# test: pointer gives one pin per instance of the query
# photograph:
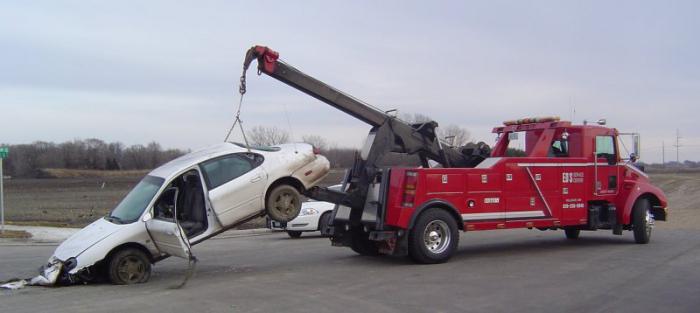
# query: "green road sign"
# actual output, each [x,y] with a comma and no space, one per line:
[3,152]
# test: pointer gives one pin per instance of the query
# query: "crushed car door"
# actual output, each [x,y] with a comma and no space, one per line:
[164,228]
[236,183]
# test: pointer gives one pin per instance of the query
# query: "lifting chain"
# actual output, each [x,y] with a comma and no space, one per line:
[237,120]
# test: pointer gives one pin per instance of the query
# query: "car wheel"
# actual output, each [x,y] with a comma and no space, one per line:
[642,221]
[283,204]
[323,223]
[434,237]
[572,233]
[362,245]
[129,266]
[294,234]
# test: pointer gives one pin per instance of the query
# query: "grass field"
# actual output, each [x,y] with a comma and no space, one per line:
[77,201]
[77,198]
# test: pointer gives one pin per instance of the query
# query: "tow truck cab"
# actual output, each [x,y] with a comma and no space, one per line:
[571,177]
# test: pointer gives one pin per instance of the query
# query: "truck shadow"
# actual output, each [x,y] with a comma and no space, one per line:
[517,247]
[514,247]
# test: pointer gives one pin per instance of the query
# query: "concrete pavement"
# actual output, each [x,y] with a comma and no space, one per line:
[497,271]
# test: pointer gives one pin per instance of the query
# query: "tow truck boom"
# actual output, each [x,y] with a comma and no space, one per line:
[388,133]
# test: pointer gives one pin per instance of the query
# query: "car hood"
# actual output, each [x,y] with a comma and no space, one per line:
[86,238]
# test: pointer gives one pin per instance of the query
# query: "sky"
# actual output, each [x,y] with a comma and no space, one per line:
[168,71]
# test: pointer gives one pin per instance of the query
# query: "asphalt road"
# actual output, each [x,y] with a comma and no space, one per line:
[495,271]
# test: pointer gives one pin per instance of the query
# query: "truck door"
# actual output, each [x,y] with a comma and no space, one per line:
[605,168]
[164,228]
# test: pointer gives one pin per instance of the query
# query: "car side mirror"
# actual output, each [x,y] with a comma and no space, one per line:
[147,217]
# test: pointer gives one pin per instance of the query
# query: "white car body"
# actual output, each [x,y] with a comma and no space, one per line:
[225,203]
[308,219]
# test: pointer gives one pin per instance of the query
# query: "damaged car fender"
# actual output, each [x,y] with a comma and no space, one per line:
[95,242]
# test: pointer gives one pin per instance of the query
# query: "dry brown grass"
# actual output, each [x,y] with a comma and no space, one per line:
[15,234]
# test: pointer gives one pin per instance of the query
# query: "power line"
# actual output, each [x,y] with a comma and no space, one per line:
[678,146]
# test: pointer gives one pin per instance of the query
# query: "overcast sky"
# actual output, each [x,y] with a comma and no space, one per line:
[141,71]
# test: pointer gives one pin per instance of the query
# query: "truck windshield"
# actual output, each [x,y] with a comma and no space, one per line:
[131,207]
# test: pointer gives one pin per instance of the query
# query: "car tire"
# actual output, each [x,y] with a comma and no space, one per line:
[283,203]
[129,266]
[323,223]
[642,221]
[362,245]
[294,233]
[572,233]
[434,237]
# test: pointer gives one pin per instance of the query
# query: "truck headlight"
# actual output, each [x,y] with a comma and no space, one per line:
[308,211]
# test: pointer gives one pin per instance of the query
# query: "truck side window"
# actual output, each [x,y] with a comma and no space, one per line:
[559,148]
[605,148]
[226,168]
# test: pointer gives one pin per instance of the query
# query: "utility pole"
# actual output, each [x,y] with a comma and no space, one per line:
[663,154]
[678,146]
[3,154]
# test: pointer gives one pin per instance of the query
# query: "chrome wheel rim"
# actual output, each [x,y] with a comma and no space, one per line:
[131,269]
[436,236]
[648,222]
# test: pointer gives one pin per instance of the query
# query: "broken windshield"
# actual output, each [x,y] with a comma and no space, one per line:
[131,207]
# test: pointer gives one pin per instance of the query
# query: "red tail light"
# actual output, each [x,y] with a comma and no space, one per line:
[409,189]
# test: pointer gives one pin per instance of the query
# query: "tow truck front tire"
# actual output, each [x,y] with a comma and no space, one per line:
[642,221]
[434,237]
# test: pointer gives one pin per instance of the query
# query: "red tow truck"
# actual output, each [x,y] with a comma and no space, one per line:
[572,177]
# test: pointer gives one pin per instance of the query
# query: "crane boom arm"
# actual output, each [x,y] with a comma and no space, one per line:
[269,63]
[388,134]
[406,138]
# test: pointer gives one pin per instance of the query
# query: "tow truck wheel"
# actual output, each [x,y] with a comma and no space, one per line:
[283,204]
[572,233]
[434,237]
[642,221]
[129,266]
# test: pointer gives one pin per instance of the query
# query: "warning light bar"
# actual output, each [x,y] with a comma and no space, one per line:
[532,120]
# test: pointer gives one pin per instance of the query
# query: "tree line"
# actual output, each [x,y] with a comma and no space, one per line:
[27,160]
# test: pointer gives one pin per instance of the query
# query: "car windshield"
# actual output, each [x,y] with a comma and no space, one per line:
[131,207]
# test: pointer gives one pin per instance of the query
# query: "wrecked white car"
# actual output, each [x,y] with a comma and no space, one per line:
[184,202]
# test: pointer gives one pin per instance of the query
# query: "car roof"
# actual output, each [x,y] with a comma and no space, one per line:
[179,164]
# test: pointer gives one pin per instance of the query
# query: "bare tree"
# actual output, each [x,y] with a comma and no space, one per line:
[267,136]
[316,141]
[415,118]
[453,134]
